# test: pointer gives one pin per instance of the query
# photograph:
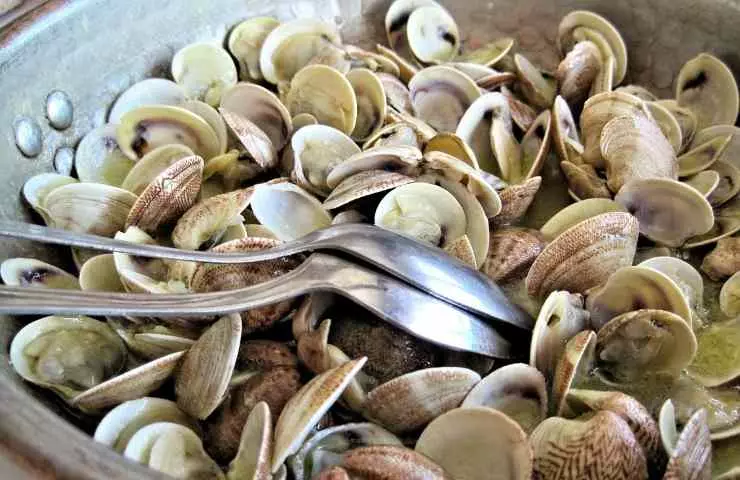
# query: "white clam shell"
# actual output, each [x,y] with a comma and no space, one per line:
[99,159]
[245,42]
[317,150]
[39,186]
[441,95]
[29,272]
[288,211]
[204,70]
[151,91]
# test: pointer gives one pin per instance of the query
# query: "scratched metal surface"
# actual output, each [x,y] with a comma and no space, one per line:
[95,49]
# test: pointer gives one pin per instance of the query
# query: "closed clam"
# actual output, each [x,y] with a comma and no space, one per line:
[245,42]
[511,252]
[590,447]
[145,128]
[391,462]
[317,150]
[632,288]
[441,95]
[29,272]
[477,442]
[291,46]
[638,342]
[706,86]
[324,448]
[99,159]
[517,390]
[684,212]
[261,107]
[326,94]
[690,451]
[67,354]
[204,70]
[578,70]
[585,255]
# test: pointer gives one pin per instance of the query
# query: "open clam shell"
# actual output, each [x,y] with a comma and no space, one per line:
[138,274]
[150,91]
[203,377]
[304,410]
[67,354]
[441,95]
[703,156]
[633,288]
[574,365]
[317,150]
[255,447]
[99,159]
[412,400]
[432,34]
[36,189]
[576,213]
[690,451]
[717,361]
[686,120]
[400,159]
[29,272]
[451,144]
[729,296]
[583,182]
[564,127]
[145,128]
[517,390]
[324,448]
[204,70]
[585,255]
[729,183]
[471,443]
[561,317]
[256,142]
[396,92]
[644,341]
[538,89]
[288,211]
[705,182]
[406,70]
[371,102]
[152,164]
[535,148]
[261,107]
[363,184]
[684,211]
[683,274]
[245,42]
[707,87]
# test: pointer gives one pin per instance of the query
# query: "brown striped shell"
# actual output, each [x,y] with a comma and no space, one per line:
[511,252]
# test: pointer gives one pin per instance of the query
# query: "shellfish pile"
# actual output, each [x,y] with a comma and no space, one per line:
[608,213]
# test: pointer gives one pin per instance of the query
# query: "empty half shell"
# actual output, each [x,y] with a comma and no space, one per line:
[204,70]
[245,42]
[707,87]
[317,150]
[717,362]
[29,272]
[573,367]
[288,211]
[99,159]
[371,102]
[39,186]
[261,107]
[441,95]
[432,34]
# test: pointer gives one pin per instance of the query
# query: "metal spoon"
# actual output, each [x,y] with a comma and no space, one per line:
[394,301]
[426,267]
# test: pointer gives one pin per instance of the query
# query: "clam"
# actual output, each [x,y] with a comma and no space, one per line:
[287,210]
[717,361]
[326,94]
[172,449]
[375,62]
[89,208]
[574,366]
[426,212]
[206,221]
[564,128]
[36,189]
[597,112]
[371,102]
[432,34]
[583,182]
[204,70]
[440,96]
[492,140]
[729,183]
[561,317]
[140,274]
[212,118]
[585,255]
[535,148]
[511,252]
[350,216]
[667,122]
[324,448]
[291,46]
[390,462]
[304,410]
[706,86]
[536,88]
[705,182]
[703,156]
[569,34]
[517,390]
[396,93]
[633,147]
[725,459]
[397,17]
[29,272]
[489,54]
[685,118]
[203,377]
[149,340]
[636,343]
[724,226]
[152,164]
[590,447]
[99,159]
[640,92]
[576,213]
[406,70]
[130,385]
[515,200]
[451,144]
[219,277]
[729,296]
[317,150]
[683,212]
[477,442]
[710,133]
[424,131]
[690,451]
[122,422]
[99,274]
[169,195]
[150,91]
[261,107]
[224,429]
[462,249]
[643,426]
[360,185]
[683,274]
[255,446]
[256,142]
[245,42]
[145,128]
[521,113]
[577,71]
[633,288]
[413,400]
[67,354]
